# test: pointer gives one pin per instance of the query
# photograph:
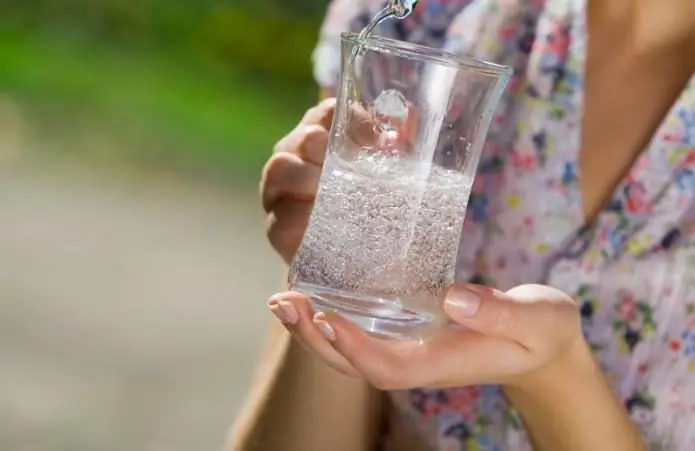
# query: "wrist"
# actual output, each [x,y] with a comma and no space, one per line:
[574,367]
[569,405]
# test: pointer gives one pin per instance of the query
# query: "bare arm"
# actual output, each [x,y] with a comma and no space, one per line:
[301,403]
[573,409]
[297,400]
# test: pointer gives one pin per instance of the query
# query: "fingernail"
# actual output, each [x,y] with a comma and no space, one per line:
[276,310]
[289,312]
[284,310]
[464,301]
[324,327]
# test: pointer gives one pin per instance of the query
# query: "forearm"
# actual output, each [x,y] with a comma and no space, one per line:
[300,403]
[572,408]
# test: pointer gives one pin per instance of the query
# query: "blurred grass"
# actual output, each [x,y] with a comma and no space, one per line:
[162,104]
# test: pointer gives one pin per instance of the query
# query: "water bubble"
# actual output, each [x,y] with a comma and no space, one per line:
[380,231]
[390,110]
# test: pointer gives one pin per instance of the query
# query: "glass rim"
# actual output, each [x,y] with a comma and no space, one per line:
[419,52]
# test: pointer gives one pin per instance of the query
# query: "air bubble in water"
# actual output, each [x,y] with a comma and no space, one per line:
[378,230]
[390,110]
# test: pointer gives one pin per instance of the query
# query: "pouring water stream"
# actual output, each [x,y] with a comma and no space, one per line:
[397,9]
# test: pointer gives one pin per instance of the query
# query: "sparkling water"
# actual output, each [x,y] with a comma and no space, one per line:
[382,240]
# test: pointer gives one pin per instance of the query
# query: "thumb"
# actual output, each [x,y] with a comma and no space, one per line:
[526,314]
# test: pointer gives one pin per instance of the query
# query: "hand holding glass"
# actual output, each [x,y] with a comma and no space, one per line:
[407,134]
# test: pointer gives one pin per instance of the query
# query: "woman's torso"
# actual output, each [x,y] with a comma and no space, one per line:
[632,269]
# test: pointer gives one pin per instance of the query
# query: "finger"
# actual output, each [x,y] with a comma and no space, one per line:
[297,307]
[286,175]
[524,316]
[321,114]
[286,225]
[359,123]
[280,311]
[532,293]
[360,128]
[465,357]
[453,358]
[313,147]
[310,138]
[380,367]
[307,141]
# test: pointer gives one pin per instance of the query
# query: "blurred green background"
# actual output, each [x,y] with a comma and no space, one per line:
[134,266]
[208,84]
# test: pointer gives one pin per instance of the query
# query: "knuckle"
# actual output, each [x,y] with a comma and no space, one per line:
[272,166]
[277,177]
[282,242]
[271,227]
[280,162]
[304,136]
[274,238]
[311,135]
[310,114]
[313,131]
[328,103]
[326,107]
[281,145]
[321,113]
[286,223]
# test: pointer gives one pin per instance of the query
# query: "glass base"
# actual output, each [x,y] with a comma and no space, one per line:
[380,317]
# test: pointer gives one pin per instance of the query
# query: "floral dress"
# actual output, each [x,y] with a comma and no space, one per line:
[632,270]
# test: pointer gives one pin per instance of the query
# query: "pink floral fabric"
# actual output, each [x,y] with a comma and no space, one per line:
[632,270]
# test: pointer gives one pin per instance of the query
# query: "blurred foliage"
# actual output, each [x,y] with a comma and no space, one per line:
[270,35]
[209,82]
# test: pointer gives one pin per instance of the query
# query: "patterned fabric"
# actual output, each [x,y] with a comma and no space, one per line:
[632,270]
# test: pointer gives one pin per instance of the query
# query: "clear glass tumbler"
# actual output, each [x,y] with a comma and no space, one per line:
[407,134]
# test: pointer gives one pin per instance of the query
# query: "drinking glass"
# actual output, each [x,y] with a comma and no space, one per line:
[381,244]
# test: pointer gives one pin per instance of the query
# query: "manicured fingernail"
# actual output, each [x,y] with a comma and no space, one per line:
[324,327]
[276,310]
[462,300]
[289,312]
